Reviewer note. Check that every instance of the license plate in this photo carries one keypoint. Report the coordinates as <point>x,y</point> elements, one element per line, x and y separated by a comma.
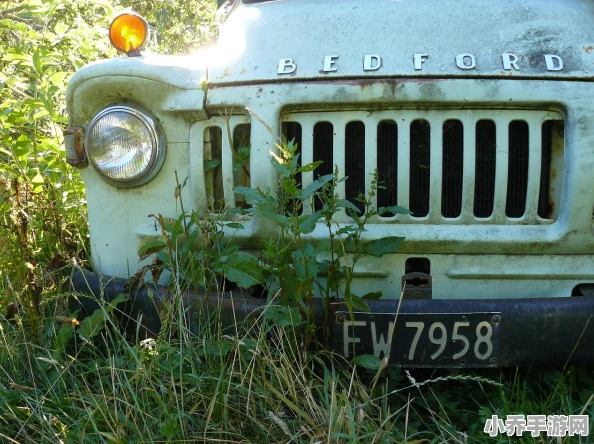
<point>421,339</point>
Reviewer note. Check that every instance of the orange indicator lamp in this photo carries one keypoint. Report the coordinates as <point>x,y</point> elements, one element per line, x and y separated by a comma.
<point>129,33</point>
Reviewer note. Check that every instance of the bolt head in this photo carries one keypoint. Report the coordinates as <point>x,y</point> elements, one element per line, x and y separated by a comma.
<point>496,319</point>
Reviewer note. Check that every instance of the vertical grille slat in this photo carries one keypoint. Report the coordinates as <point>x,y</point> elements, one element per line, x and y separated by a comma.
<point>545,179</point>
<point>355,162</point>
<point>535,151</point>
<point>403,177</point>
<point>420,167</point>
<point>323,149</point>
<point>339,156</point>
<point>435,167</point>
<point>307,156</point>
<point>446,166</point>
<point>371,153</point>
<point>486,155</point>
<point>213,178</point>
<point>501,169</point>
<point>552,164</point>
<point>227,169</point>
<point>469,167</point>
<point>452,168</point>
<point>518,136</point>
<point>387,151</point>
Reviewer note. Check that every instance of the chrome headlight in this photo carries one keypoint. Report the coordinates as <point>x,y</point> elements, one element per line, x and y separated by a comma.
<point>126,146</point>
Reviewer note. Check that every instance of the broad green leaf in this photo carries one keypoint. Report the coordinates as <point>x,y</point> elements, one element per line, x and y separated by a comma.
<point>282,169</point>
<point>326,178</point>
<point>310,167</point>
<point>164,257</point>
<point>348,229</point>
<point>231,249</point>
<point>357,303</point>
<point>63,337</point>
<point>252,196</point>
<point>309,224</point>
<point>218,348</point>
<point>373,295</point>
<point>176,229</point>
<point>58,77</point>
<point>244,270</point>
<point>38,179</point>
<point>305,263</point>
<point>270,214</point>
<point>211,164</point>
<point>37,62</point>
<point>151,246</point>
<point>371,362</point>
<point>60,28</point>
<point>343,203</point>
<point>323,246</point>
<point>12,57</point>
<point>383,246</point>
<point>394,209</point>
<point>283,316</point>
<point>310,189</point>
<point>40,114</point>
<point>289,188</point>
<point>37,182</point>
<point>92,325</point>
<point>118,300</point>
<point>235,226</point>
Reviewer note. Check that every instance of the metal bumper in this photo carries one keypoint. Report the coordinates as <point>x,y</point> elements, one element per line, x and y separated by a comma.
<point>539,332</point>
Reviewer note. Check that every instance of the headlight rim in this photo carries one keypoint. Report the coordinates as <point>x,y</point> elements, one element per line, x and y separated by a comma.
<point>158,138</point>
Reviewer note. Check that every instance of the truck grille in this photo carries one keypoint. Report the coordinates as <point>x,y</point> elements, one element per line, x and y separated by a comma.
<point>446,166</point>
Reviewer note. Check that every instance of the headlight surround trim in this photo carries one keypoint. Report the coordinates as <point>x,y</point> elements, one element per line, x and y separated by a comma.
<point>157,138</point>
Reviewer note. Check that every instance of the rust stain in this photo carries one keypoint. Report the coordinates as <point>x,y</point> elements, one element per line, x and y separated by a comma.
<point>588,49</point>
<point>226,73</point>
<point>364,83</point>
<point>554,173</point>
<point>550,207</point>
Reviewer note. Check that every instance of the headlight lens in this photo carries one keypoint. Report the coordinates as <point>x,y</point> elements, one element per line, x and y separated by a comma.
<point>125,145</point>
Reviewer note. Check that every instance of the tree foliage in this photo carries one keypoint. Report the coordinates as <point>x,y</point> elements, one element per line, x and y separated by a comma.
<point>42,43</point>
<point>181,26</point>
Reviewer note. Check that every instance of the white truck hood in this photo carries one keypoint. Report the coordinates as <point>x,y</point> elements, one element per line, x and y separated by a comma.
<point>259,40</point>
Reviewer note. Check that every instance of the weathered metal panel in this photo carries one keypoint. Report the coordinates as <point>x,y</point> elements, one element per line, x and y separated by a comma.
<point>307,39</point>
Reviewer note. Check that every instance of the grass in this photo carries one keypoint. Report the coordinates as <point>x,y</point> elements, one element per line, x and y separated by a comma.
<point>256,386</point>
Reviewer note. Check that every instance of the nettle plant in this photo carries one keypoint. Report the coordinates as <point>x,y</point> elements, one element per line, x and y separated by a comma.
<point>292,268</point>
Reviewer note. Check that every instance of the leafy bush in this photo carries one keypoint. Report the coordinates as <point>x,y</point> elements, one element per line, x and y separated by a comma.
<point>42,206</point>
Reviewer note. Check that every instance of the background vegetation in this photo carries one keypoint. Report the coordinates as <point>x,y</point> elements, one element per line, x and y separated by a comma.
<point>66,380</point>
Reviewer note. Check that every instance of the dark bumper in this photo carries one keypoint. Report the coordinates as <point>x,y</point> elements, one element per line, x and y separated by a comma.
<point>540,332</point>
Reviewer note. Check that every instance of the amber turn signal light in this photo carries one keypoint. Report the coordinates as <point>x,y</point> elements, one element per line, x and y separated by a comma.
<point>129,33</point>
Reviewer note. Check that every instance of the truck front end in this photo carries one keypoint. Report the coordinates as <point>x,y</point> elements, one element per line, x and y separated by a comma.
<point>475,116</point>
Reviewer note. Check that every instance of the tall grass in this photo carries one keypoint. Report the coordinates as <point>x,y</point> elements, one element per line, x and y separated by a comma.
<point>259,385</point>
